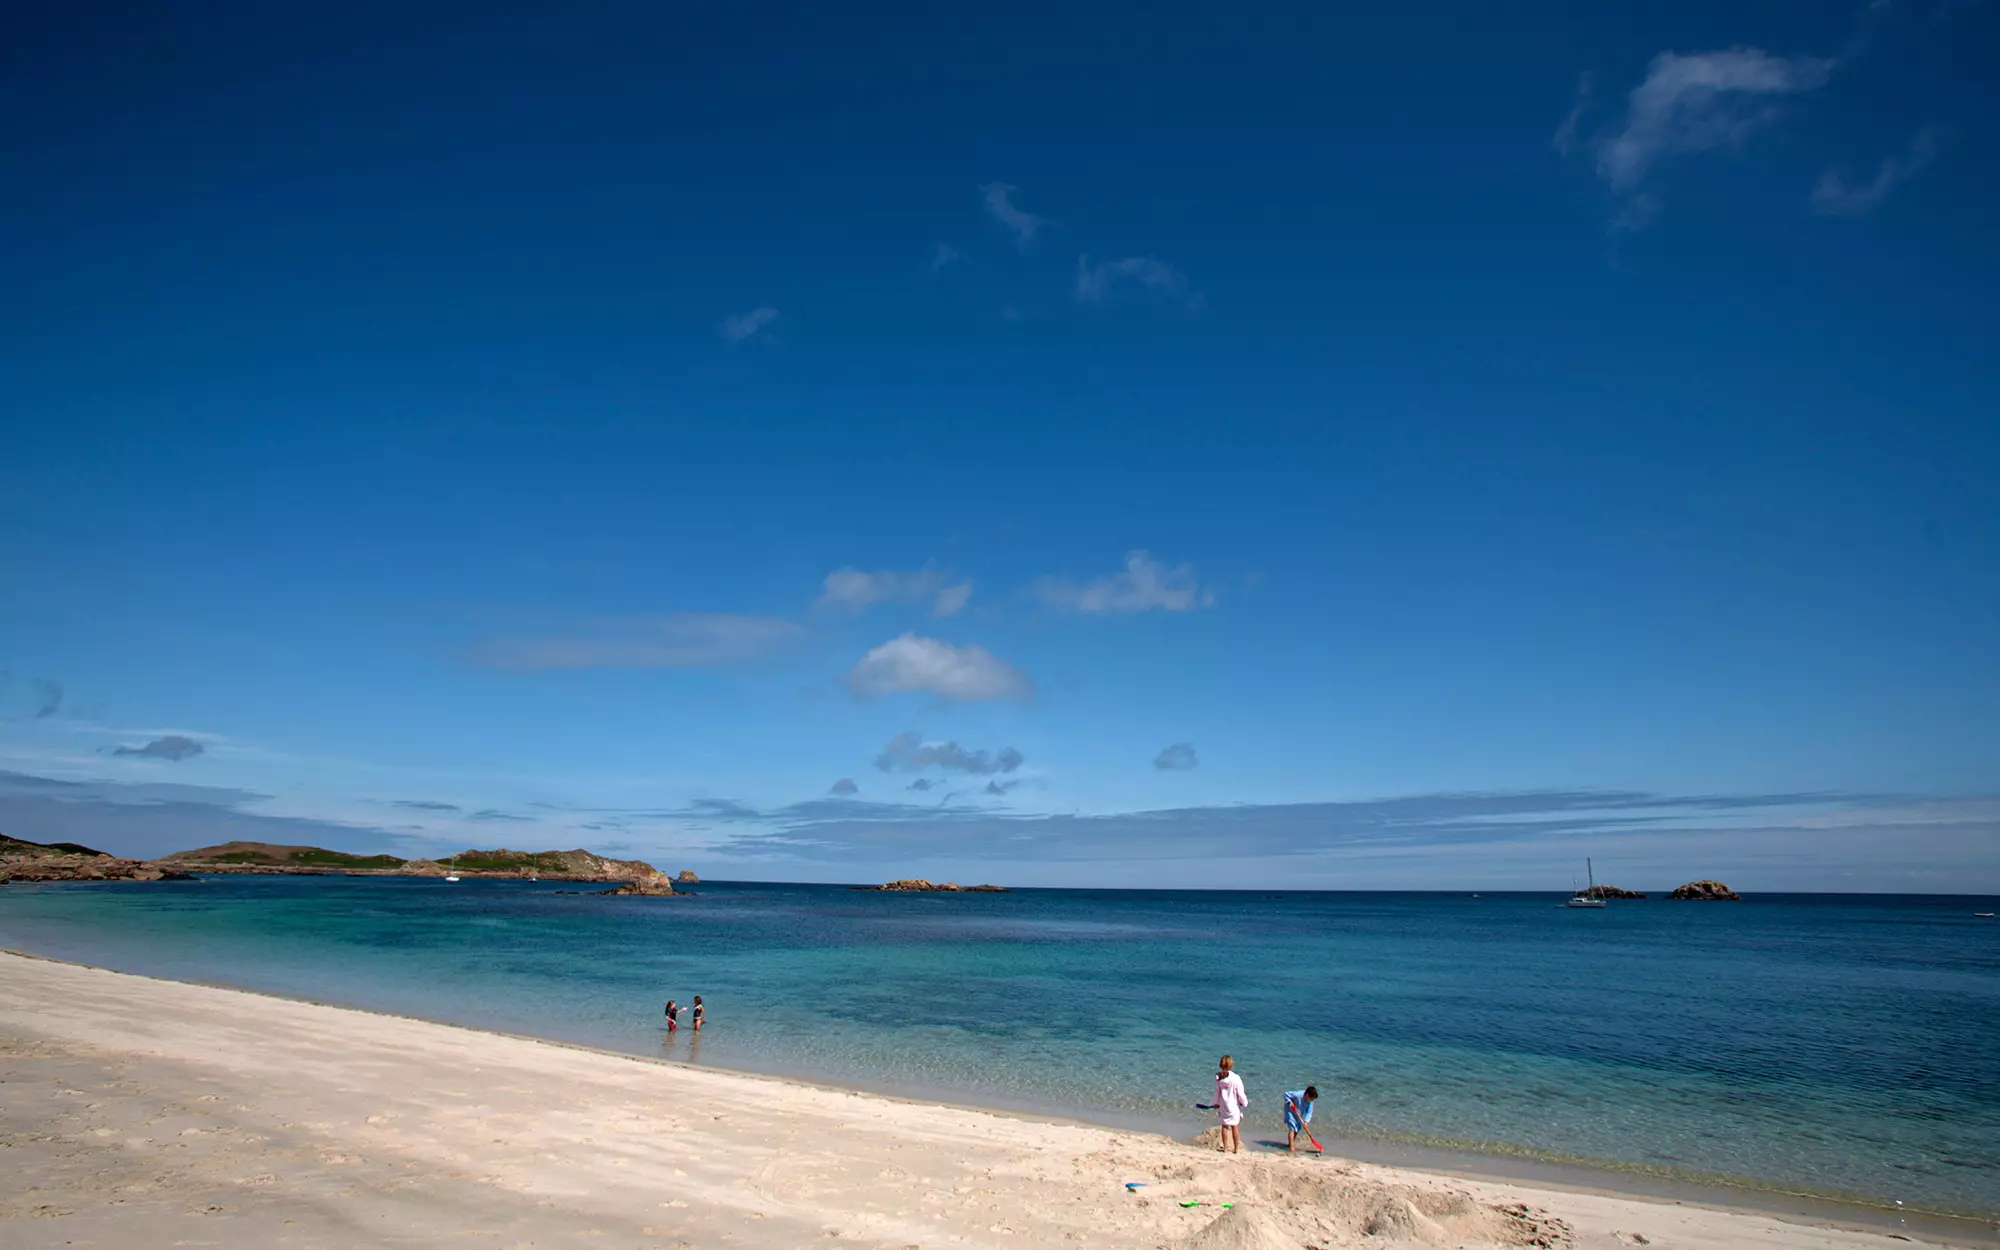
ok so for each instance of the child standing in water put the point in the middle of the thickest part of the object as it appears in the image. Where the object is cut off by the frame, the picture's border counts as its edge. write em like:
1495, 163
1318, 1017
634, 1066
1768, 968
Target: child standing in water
673, 1015
699, 1013
1230, 1099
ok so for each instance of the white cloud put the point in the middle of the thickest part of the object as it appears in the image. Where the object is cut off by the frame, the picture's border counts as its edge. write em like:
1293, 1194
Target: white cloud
1835, 196
1687, 104
1000, 205
909, 664
1703, 101
1145, 584
854, 591
742, 327
679, 640
1094, 283
944, 255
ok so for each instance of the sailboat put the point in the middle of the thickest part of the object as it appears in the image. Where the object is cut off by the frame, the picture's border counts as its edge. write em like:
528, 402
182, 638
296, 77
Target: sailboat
1586, 898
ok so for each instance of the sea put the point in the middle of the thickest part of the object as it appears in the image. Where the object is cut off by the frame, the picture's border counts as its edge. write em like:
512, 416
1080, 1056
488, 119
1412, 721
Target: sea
1844, 1046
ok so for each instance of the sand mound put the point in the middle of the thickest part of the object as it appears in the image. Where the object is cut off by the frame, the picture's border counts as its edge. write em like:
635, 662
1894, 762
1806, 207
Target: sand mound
1240, 1228
1209, 1137
1399, 1218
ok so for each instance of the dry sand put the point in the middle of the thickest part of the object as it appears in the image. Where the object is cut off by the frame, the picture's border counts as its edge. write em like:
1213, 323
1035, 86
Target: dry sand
137, 1112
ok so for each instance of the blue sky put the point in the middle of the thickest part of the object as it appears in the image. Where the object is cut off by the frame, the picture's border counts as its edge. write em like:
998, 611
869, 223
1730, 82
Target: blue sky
1291, 446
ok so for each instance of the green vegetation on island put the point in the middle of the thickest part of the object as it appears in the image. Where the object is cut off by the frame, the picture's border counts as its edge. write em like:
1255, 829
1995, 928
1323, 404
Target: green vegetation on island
267, 857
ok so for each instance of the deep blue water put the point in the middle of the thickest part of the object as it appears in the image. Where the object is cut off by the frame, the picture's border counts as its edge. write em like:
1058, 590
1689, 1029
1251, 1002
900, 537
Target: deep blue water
1840, 1043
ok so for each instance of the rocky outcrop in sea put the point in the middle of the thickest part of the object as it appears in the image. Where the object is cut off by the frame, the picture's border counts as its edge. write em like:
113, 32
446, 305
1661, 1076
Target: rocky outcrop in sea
917, 885
1706, 891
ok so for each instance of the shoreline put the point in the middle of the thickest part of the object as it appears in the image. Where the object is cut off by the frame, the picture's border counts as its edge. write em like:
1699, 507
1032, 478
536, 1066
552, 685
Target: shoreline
1584, 1178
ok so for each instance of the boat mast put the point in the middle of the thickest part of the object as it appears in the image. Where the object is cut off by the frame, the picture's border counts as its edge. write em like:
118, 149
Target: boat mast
1592, 873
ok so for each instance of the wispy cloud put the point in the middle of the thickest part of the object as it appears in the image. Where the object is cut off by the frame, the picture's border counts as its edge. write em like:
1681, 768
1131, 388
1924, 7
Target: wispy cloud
844, 786
742, 327
852, 590
1837, 196
679, 640
1096, 284
174, 747
1566, 134
1143, 585
153, 818
911, 664
48, 698
1687, 104
1001, 207
943, 256
1682, 836
909, 753
424, 805
1177, 757
490, 814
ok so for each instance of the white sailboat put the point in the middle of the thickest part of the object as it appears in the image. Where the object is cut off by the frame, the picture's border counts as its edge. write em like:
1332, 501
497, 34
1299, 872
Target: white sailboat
1586, 898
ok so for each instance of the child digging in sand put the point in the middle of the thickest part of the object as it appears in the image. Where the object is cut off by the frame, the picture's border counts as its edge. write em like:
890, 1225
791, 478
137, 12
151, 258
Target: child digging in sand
1230, 1099
1298, 1114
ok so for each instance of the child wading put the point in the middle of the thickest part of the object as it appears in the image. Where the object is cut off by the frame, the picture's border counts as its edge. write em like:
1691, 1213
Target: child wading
1298, 1114
700, 1013
673, 1015
1230, 1099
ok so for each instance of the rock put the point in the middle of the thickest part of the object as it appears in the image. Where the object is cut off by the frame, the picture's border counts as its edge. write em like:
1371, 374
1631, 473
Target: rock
917, 885
1611, 891
687, 876
32, 861
1706, 891
654, 886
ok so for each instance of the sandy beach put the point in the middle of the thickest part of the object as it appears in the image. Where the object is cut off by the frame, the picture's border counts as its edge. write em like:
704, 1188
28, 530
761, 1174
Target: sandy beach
140, 1112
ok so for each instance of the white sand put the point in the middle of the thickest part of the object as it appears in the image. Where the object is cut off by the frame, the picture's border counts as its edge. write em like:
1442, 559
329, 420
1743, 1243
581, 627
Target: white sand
136, 1112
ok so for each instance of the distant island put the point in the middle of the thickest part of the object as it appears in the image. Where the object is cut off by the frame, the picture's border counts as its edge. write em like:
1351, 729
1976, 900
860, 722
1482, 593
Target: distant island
917, 885
25, 861
68, 861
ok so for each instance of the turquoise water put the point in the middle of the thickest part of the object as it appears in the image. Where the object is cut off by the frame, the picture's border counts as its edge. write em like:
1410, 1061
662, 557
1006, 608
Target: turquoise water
1837, 1043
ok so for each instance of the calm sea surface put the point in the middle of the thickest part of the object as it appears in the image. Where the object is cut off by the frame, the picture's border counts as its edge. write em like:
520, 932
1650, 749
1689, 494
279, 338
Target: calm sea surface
1837, 1043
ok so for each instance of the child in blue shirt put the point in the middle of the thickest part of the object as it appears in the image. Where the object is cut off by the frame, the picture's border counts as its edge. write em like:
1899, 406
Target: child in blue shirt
1298, 1114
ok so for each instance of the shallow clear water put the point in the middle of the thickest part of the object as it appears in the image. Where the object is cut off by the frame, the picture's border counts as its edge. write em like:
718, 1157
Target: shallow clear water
1839, 1043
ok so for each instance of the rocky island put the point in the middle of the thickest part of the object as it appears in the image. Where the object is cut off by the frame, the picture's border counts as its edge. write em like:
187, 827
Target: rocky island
25, 861
1706, 891
267, 857
1610, 891
68, 861
917, 885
